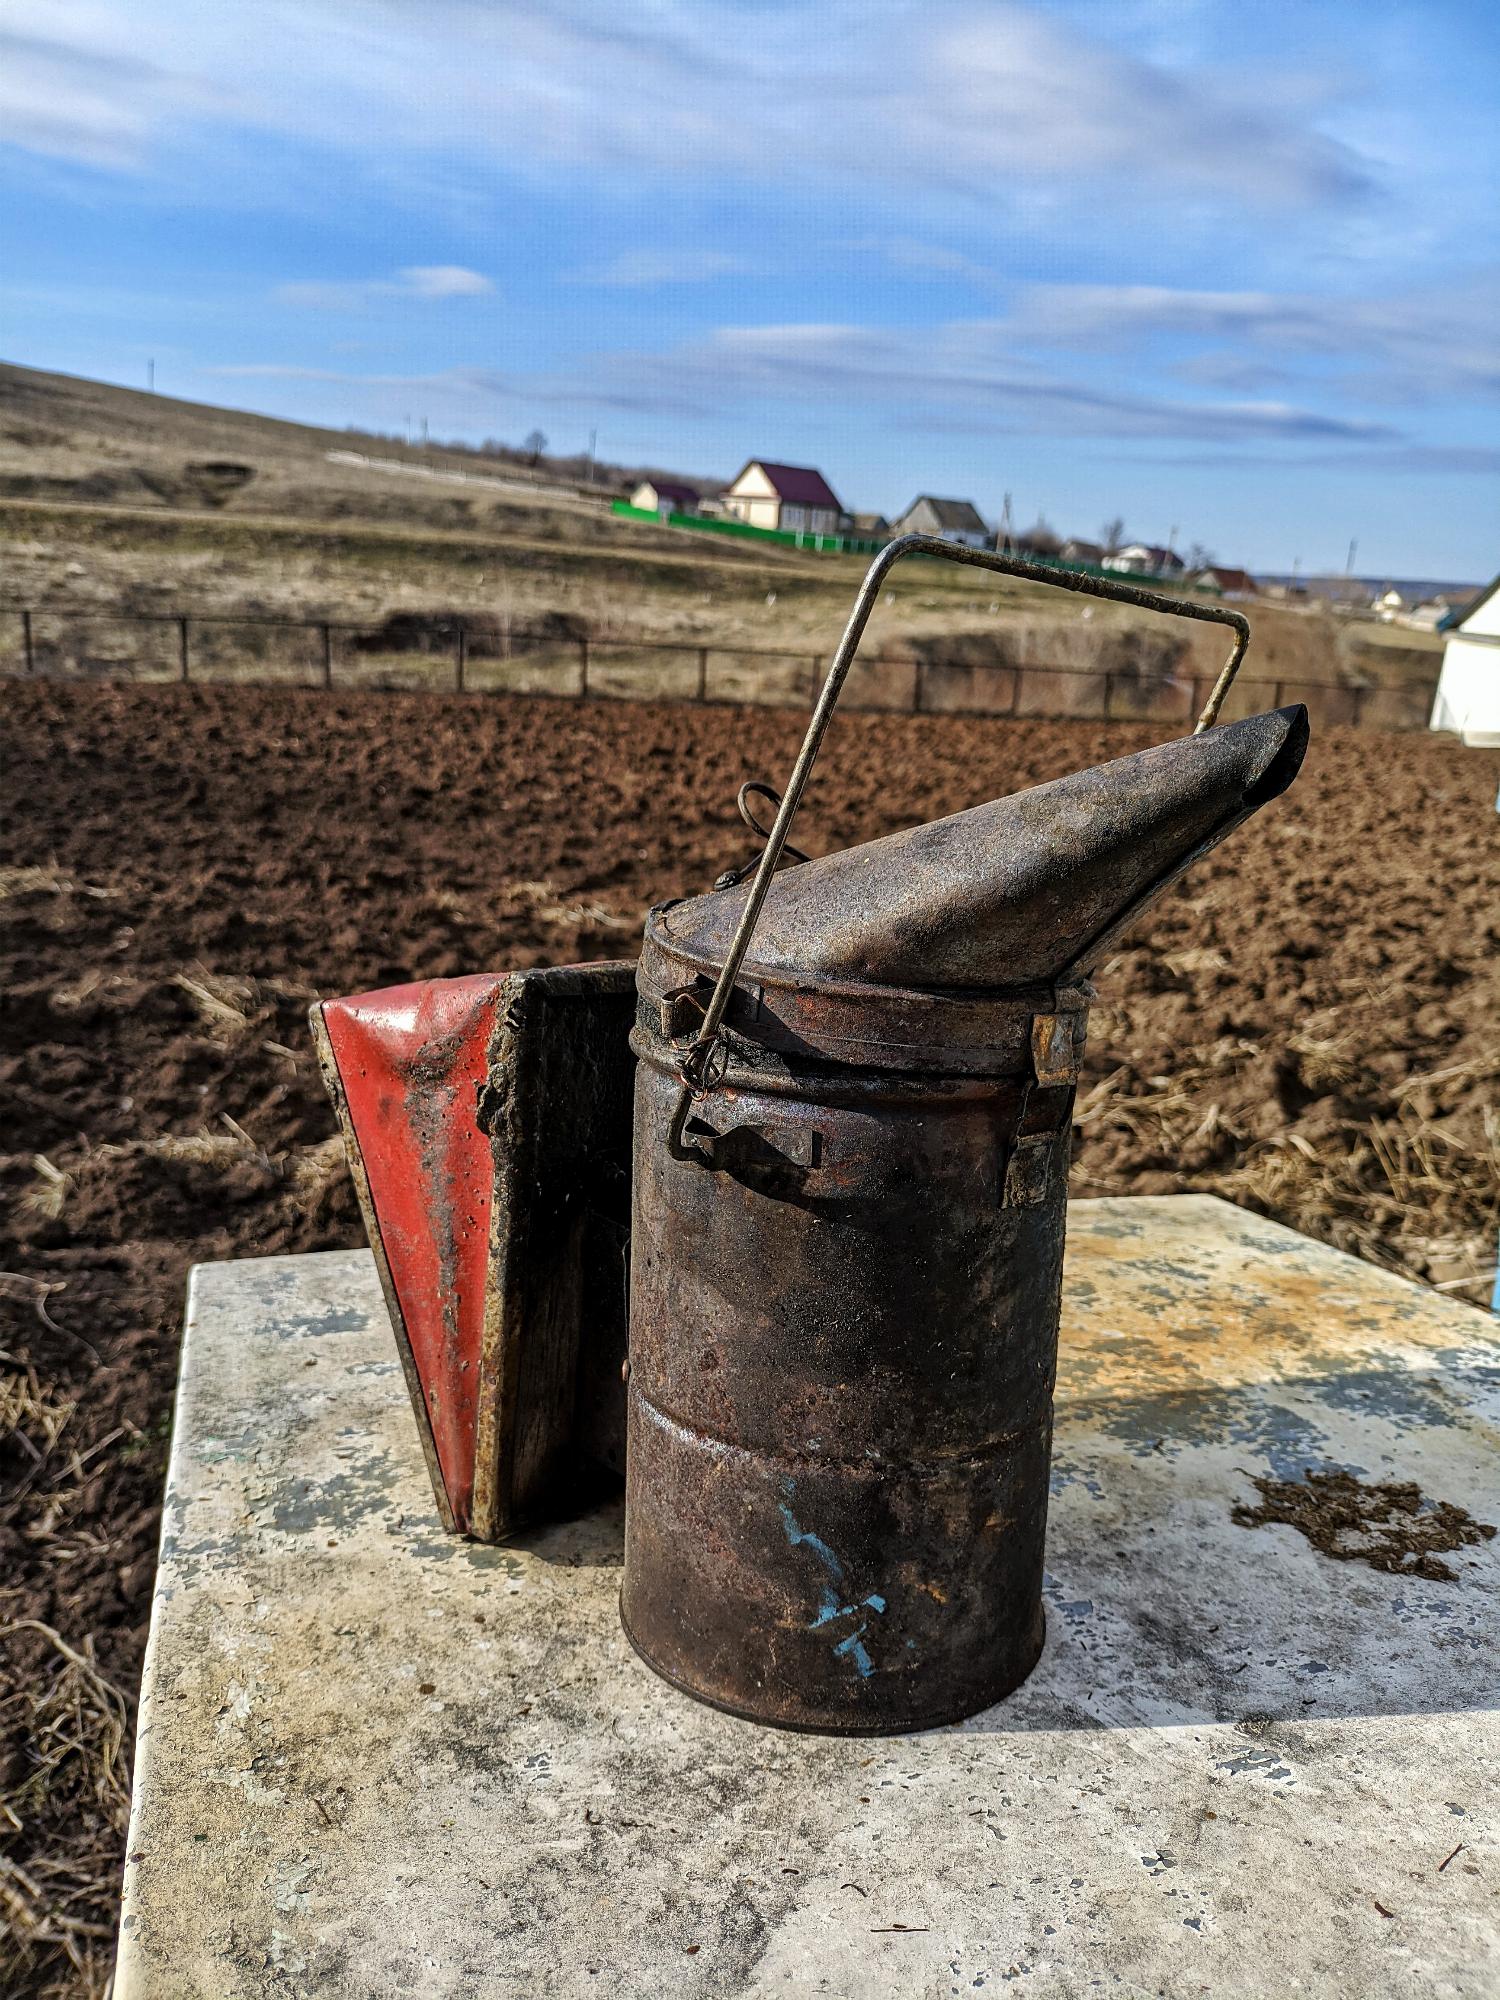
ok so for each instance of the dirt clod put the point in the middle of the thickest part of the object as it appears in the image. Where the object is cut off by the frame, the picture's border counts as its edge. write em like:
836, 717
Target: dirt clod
1390, 1526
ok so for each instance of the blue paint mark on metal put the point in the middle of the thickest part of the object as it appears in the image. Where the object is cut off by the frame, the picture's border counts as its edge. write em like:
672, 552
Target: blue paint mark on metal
800, 1537
852, 1647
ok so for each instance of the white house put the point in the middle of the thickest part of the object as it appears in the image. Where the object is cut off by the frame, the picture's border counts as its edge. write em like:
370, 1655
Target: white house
1389, 606
1468, 689
1144, 559
949, 520
666, 496
793, 498
1429, 615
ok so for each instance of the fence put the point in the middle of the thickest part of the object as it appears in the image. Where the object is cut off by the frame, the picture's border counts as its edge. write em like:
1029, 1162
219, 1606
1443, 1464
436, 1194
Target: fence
487, 655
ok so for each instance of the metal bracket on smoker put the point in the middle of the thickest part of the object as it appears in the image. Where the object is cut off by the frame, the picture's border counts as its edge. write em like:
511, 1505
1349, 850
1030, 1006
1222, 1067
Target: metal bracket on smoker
702, 1065
1037, 1157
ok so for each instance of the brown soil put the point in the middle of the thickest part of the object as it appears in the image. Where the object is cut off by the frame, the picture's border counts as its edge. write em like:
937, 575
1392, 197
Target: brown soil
1391, 1527
1307, 1025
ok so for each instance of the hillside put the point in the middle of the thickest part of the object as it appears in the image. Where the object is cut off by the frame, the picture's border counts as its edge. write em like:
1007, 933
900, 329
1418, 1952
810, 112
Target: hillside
115, 500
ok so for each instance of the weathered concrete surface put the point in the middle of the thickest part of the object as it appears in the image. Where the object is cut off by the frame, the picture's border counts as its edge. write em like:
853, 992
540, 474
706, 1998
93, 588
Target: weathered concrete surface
376, 1761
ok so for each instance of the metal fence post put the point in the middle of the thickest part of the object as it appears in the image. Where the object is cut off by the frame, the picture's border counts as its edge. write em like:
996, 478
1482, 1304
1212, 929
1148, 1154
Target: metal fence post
26, 646
460, 656
583, 669
1015, 691
182, 649
1276, 694
1109, 688
702, 694
327, 632
918, 686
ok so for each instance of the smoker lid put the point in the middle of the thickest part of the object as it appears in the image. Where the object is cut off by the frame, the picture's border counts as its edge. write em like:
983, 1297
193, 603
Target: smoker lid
1016, 892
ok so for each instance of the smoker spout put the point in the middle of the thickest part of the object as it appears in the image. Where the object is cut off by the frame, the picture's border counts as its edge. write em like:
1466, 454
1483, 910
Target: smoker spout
1019, 891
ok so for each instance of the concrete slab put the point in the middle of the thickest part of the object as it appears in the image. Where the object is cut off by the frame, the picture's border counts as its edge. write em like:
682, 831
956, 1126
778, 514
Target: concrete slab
374, 1760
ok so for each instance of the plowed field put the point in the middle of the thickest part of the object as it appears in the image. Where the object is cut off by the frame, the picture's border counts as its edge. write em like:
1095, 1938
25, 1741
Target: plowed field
1308, 1025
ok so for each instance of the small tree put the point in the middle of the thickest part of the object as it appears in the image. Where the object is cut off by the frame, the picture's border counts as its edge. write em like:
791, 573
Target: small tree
535, 445
1198, 558
1112, 534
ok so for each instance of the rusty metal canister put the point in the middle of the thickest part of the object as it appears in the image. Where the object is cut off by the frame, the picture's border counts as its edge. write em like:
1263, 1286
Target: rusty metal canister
843, 1343
849, 1194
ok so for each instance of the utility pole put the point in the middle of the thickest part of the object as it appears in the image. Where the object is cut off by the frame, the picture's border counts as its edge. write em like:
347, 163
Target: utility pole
593, 442
1006, 535
151, 376
1349, 564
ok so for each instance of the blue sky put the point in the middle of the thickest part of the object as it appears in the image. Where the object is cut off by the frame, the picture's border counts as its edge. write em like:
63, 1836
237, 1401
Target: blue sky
1226, 268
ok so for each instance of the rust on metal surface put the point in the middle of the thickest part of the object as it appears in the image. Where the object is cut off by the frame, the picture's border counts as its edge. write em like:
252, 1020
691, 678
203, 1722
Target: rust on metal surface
487, 1125
700, 1061
854, 1101
557, 1108
843, 1338
1021, 890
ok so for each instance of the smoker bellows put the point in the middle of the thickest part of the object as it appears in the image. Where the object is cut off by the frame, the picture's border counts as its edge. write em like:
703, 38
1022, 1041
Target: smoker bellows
853, 1085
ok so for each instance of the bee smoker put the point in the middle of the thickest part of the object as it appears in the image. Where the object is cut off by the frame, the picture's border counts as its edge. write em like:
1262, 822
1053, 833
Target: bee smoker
853, 1113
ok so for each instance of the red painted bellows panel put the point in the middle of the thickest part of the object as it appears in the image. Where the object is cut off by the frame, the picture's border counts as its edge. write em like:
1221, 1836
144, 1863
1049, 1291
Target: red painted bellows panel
412, 1060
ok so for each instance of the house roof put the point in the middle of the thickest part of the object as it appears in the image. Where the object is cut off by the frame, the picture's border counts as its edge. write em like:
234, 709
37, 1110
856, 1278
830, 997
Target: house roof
960, 515
1462, 612
1229, 579
1158, 558
801, 484
673, 489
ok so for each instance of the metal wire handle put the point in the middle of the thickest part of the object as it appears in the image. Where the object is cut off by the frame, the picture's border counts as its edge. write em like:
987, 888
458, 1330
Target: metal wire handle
756, 788
702, 1066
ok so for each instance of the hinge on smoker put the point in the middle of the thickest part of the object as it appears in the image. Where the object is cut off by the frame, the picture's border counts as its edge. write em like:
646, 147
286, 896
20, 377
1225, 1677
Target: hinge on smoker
683, 1007
1044, 1122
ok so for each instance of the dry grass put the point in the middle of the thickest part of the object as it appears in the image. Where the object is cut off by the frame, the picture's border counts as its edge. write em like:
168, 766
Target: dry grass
305, 1171
57, 1916
225, 1002
542, 900
50, 881
49, 1196
1415, 1188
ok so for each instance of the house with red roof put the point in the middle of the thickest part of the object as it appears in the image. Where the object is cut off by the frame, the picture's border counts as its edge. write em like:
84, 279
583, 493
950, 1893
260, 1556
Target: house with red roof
793, 498
666, 496
1224, 581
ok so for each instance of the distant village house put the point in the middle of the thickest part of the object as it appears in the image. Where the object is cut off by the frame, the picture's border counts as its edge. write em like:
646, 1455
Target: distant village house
794, 498
1075, 551
948, 520
666, 496
1038, 541
1468, 689
1225, 582
1144, 559
1429, 615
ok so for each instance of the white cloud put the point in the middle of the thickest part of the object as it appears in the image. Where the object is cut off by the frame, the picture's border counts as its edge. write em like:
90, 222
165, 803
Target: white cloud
685, 266
1439, 339
932, 99
443, 281
414, 281
955, 377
